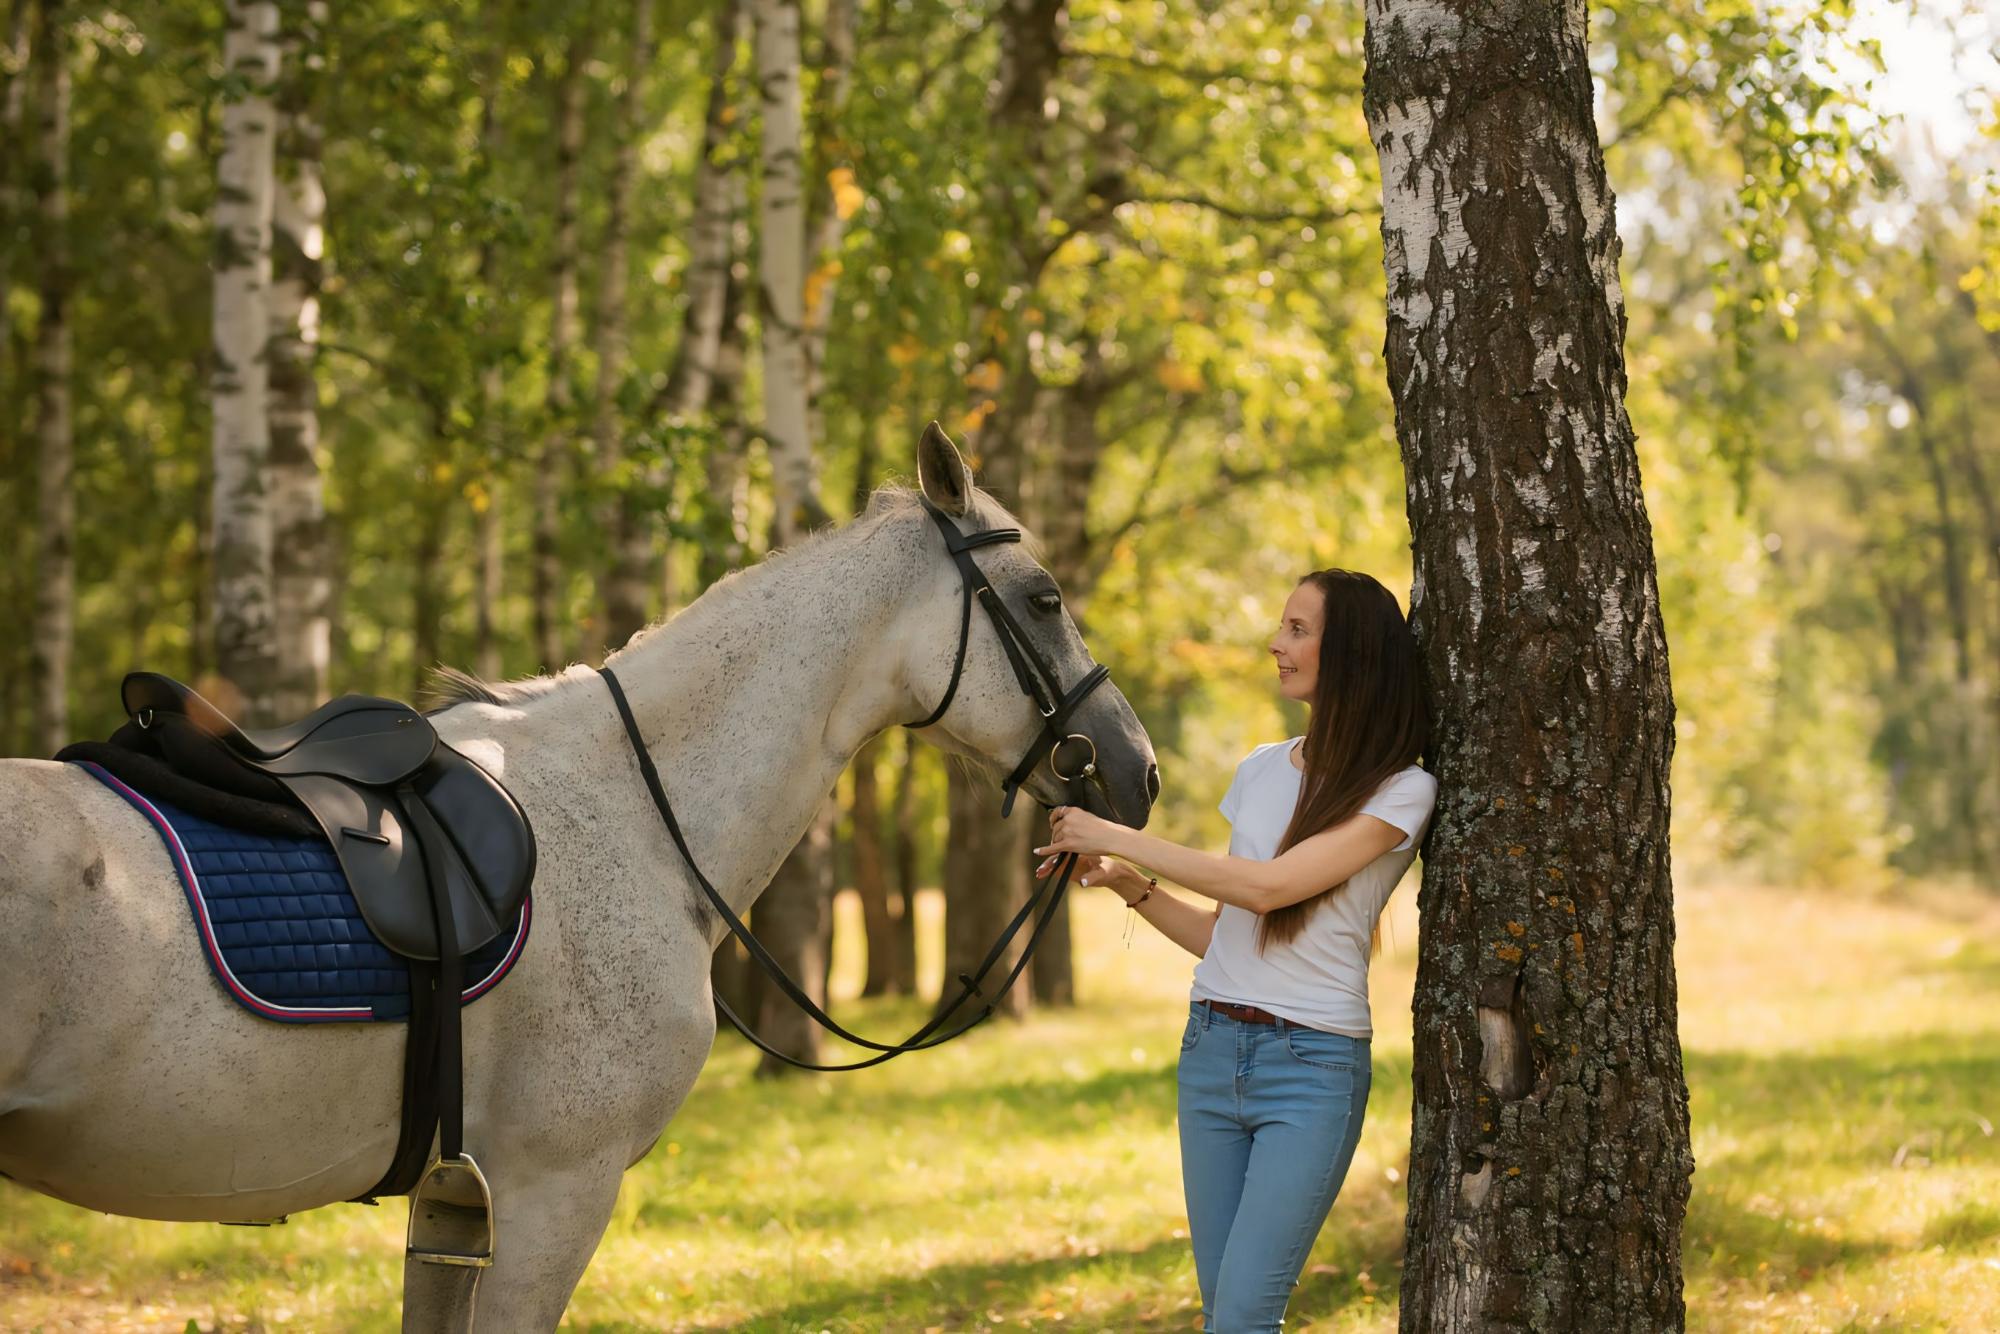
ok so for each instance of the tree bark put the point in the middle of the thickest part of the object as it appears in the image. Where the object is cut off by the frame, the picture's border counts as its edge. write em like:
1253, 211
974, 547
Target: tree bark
833, 200
798, 933
904, 853
559, 400
781, 256
985, 883
717, 207
1061, 516
488, 495
55, 500
1550, 1159
628, 584
871, 880
982, 891
301, 586
245, 648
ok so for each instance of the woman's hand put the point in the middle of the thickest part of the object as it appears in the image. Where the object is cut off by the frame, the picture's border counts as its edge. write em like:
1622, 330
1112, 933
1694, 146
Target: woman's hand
1107, 871
1073, 829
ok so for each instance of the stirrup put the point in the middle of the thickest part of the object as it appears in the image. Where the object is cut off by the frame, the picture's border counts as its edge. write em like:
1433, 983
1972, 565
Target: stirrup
444, 1232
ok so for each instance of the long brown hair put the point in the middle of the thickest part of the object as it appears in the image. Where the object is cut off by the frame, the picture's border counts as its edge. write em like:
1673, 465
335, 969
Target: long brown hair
1369, 720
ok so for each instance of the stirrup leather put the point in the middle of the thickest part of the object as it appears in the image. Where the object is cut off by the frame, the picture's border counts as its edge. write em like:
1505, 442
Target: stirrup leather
444, 1231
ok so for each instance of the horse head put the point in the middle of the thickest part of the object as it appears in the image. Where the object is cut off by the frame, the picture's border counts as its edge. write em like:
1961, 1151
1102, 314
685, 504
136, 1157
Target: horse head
1001, 666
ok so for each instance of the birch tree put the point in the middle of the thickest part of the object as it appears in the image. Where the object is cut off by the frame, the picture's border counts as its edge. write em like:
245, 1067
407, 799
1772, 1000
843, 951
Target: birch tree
781, 265
245, 647
1549, 1158
301, 583
558, 403
627, 588
795, 916
55, 507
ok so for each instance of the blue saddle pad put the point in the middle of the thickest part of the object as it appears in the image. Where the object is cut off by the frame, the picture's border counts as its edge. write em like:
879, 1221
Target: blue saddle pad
281, 929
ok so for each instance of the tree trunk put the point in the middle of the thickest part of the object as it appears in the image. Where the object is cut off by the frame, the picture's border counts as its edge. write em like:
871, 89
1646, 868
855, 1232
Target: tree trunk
488, 497
55, 505
834, 199
731, 974
904, 980
796, 932
871, 880
727, 482
1550, 1159
781, 254
245, 648
795, 922
427, 594
300, 582
628, 584
985, 882
559, 402
712, 229
1060, 517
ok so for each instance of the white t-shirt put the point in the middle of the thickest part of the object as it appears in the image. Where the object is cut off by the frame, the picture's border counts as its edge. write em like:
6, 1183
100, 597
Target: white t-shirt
1320, 978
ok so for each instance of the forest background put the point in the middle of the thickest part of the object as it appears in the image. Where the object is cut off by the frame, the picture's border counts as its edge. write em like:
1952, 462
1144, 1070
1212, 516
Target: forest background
572, 309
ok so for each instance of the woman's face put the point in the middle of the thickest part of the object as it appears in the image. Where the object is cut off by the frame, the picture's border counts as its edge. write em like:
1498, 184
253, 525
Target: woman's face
1295, 646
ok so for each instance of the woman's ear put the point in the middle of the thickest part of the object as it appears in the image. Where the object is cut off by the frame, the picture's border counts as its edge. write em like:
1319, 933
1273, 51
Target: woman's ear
941, 472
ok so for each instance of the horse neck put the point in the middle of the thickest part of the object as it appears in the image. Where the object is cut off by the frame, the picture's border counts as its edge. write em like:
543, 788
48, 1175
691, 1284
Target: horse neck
753, 699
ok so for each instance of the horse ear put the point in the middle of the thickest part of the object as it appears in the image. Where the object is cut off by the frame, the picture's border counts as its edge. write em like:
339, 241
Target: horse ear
942, 473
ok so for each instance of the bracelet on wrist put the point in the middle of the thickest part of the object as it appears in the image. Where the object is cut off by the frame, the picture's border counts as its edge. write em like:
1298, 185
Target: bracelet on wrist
1152, 883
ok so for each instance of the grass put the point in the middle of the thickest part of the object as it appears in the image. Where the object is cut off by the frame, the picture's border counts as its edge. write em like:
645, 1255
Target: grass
1843, 1056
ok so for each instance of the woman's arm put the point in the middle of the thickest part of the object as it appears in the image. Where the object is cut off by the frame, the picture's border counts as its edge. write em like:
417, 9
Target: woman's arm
1188, 925
1301, 871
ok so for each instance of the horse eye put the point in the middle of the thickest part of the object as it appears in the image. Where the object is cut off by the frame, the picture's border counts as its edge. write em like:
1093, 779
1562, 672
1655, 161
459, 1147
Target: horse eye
1046, 603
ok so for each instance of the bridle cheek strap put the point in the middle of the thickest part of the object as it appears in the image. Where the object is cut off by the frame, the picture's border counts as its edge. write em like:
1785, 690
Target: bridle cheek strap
1037, 679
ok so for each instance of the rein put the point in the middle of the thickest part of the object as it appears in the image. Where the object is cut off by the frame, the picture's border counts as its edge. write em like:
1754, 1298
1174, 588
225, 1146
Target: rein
1039, 682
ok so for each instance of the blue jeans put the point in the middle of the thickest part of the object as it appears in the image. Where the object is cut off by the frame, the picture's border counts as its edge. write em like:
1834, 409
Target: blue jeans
1269, 1117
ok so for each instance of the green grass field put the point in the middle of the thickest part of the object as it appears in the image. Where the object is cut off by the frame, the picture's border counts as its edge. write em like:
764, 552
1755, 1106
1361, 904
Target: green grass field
1844, 1056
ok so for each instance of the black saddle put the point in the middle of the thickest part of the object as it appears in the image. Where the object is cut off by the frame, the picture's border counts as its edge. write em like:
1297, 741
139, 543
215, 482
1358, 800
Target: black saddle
438, 854
395, 801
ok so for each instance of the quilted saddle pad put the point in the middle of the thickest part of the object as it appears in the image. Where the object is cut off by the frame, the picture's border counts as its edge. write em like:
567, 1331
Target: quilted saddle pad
281, 929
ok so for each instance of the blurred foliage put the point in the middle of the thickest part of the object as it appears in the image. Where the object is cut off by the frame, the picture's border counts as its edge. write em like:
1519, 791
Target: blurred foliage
1210, 250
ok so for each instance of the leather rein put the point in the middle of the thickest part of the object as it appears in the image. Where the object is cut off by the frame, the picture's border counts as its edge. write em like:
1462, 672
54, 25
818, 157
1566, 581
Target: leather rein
1055, 706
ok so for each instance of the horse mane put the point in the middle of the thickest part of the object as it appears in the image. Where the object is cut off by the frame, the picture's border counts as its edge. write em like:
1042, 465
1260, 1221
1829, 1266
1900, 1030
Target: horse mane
449, 686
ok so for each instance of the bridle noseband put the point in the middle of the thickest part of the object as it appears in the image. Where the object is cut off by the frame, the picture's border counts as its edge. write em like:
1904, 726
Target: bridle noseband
1055, 706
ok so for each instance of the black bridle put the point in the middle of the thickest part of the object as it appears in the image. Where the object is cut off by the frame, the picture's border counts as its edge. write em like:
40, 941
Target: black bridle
1056, 707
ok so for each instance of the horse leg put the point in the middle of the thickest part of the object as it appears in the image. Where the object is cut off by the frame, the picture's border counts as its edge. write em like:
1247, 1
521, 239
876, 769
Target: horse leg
546, 1227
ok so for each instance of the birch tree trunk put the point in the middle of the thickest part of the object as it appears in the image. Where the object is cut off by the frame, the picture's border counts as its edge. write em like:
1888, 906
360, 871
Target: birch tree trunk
795, 916
834, 198
489, 530
301, 586
245, 645
559, 403
55, 504
1549, 1159
627, 585
13, 110
781, 261
717, 184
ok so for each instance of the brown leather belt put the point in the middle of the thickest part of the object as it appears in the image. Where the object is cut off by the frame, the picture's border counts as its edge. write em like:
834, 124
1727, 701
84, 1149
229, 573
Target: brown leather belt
1246, 1014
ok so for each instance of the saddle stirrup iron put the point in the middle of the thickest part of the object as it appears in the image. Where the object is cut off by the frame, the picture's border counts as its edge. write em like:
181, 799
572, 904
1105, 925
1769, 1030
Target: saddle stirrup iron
451, 1215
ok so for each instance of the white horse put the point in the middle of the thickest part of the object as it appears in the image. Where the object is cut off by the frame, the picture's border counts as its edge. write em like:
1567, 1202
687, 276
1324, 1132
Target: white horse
130, 1083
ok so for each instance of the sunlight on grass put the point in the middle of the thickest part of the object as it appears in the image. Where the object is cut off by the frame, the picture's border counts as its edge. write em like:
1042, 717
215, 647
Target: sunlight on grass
1843, 1055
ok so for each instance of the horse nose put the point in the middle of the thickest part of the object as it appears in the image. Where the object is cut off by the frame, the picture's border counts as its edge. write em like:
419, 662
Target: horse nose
1152, 783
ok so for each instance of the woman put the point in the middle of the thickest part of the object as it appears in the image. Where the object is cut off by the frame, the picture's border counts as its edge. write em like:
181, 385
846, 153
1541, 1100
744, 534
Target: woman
1274, 1066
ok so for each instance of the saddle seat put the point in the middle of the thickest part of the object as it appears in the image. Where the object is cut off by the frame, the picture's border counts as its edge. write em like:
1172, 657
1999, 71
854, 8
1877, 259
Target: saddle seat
361, 738
399, 806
